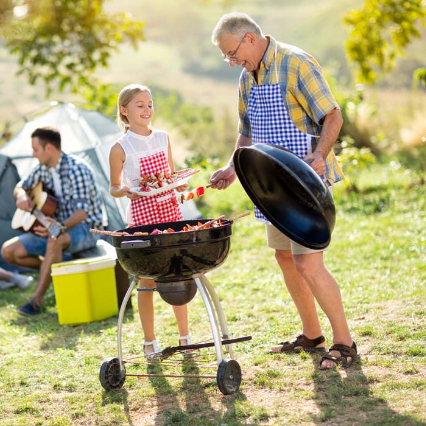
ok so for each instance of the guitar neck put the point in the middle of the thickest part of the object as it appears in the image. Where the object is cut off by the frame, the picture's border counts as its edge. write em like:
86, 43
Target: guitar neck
53, 229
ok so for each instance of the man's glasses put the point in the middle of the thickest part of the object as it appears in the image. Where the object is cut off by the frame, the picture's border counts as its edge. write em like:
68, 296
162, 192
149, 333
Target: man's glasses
233, 58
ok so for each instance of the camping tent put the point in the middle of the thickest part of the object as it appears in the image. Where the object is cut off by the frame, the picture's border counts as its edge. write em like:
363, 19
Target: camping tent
85, 132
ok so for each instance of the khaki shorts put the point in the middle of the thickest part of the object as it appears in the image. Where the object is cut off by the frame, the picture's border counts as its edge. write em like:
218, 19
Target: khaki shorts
278, 241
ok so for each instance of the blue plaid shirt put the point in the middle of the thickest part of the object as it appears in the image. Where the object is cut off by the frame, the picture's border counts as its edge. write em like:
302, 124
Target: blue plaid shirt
79, 190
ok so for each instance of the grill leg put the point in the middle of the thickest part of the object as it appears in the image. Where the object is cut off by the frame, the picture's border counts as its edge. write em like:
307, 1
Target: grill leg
120, 323
213, 323
219, 311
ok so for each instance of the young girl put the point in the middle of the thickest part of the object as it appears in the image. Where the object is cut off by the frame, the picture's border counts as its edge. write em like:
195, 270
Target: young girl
144, 150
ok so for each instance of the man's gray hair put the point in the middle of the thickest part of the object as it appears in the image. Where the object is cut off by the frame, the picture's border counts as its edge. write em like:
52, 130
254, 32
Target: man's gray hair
236, 23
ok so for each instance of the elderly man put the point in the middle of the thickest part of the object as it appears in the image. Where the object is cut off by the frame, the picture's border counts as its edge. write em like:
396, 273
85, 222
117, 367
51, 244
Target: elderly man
285, 100
72, 182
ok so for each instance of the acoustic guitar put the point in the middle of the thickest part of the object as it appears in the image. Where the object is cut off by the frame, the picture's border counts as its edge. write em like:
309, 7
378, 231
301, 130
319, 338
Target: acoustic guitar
44, 206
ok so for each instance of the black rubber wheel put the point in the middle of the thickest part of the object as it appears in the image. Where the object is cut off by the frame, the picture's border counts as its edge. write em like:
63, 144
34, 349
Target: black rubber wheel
110, 376
229, 376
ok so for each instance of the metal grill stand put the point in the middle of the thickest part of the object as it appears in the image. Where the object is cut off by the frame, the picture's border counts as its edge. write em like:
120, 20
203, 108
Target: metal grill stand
113, 373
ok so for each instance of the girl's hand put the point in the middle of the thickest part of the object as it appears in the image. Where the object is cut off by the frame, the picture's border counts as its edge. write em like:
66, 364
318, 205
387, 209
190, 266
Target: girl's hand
182, 188
129, 194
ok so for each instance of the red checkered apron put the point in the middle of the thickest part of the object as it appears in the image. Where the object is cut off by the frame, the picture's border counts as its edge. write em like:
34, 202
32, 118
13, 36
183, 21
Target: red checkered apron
158, 208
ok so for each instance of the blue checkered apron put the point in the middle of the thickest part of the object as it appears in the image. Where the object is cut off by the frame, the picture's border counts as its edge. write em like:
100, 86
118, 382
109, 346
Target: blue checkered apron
271, 123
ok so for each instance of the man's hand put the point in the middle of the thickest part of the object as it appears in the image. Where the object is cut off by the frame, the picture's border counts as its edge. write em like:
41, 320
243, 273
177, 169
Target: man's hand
42, 231
317, 163
223, 177
24, 202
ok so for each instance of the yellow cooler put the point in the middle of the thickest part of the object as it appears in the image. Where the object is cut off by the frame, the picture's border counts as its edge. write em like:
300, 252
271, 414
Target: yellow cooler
85, 289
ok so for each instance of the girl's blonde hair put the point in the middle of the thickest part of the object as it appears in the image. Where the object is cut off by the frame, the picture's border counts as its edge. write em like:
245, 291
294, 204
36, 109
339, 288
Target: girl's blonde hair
125, 96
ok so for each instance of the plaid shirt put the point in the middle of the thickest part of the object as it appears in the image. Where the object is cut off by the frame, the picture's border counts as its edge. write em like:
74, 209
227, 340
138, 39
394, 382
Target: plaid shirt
79, 190
305, 92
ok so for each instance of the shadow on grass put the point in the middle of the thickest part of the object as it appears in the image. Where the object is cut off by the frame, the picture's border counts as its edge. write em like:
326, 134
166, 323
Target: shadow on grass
118, 397
198, 408
46, 324
345, 397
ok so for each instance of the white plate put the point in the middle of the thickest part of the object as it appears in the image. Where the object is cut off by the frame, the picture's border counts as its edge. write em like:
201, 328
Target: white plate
173, 185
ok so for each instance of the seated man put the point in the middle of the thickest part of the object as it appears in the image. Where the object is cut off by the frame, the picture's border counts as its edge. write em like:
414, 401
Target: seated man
72, 182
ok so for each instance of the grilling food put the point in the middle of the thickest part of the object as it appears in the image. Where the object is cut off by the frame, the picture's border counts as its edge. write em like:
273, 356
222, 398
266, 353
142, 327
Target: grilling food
162, 179
186, 196
214, 223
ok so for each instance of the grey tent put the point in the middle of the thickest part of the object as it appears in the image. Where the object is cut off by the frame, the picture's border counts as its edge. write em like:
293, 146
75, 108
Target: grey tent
85, 132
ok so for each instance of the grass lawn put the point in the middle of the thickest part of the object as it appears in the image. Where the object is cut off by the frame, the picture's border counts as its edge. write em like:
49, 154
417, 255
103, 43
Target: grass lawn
49, 373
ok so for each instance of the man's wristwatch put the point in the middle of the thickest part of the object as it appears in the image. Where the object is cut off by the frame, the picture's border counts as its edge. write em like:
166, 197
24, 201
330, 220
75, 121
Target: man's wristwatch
63, 229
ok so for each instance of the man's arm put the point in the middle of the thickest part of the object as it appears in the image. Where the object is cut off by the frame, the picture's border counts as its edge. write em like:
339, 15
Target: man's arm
225, 176
24, 186
23, 200
83, 193
242, 141
77, 217
330, 131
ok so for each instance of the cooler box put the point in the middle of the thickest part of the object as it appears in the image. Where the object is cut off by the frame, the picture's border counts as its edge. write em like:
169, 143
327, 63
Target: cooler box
85, 289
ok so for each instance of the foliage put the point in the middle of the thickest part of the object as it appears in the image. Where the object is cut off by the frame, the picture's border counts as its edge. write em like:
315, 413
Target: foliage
380, 32
420, 76
215, 203
350, 101
353, 161
208, 133
62, 43
414, 158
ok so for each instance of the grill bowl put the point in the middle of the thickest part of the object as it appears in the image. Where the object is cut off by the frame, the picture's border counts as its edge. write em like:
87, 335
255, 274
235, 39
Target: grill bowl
176, 256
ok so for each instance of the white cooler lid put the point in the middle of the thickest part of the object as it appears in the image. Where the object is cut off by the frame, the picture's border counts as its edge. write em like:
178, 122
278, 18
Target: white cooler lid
82, 265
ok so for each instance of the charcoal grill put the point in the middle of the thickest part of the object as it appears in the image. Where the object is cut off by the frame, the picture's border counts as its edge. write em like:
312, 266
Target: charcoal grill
178, 262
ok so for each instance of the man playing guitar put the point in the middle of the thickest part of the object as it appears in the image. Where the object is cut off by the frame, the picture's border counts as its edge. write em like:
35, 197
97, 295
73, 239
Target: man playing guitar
72, 181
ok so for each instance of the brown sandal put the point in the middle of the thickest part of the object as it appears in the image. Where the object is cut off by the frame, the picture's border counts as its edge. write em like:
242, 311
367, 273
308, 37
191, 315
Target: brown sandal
302, 343
345, 353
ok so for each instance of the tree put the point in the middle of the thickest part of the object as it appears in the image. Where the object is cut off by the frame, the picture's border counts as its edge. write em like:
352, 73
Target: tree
380, 32
63, 42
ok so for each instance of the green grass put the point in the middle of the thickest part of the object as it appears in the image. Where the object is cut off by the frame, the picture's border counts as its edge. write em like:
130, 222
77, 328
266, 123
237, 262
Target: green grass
49, 373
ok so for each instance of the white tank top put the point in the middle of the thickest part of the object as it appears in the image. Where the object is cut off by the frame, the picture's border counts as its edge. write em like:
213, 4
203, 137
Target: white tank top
137, 146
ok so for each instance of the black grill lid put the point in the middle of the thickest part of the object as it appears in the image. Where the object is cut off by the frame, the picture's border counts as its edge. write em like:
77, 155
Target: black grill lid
288, 192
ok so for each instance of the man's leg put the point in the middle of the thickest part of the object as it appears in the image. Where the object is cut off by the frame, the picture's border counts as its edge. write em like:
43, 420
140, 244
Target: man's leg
14, 252
24, 253
296, 285
326, 291
301, 295
53, 255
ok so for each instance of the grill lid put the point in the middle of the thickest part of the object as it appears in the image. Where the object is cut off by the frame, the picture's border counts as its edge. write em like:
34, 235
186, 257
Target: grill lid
288, 192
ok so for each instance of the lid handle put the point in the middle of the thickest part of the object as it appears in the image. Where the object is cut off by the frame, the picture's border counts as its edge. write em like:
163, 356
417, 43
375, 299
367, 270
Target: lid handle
135, 244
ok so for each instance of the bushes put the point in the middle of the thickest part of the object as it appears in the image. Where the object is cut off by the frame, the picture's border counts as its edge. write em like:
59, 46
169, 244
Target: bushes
353, 161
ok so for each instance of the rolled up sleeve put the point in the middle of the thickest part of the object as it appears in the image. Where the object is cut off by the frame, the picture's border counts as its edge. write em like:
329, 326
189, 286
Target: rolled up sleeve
32, 179
314, 93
